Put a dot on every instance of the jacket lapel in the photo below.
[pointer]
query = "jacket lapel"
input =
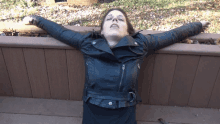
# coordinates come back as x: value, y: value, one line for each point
x: 126, y: 41
x: 127, y: 48
x: 101, y: 44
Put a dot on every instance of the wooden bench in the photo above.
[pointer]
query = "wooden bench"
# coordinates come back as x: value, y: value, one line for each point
x: 35, y: 71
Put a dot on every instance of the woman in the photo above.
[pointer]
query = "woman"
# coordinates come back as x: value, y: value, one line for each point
x: 112, y: 60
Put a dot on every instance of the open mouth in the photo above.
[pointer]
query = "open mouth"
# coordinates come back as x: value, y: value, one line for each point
x: 114, y: 26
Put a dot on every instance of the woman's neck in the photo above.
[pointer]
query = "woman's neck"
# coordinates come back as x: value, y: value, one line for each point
x: 112, y: 44
x: 112, y: 41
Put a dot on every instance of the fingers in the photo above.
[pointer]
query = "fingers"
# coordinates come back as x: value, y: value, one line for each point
x: 205, y: 25
x: 30, y: 20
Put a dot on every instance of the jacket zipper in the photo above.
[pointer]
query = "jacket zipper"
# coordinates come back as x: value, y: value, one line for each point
x: 123, y: 68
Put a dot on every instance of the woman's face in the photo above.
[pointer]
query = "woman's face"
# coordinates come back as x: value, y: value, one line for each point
x: 115, y: 25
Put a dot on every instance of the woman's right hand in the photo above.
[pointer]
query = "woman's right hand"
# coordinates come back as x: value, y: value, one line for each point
x: 31, y: 20
x: 205, y: 25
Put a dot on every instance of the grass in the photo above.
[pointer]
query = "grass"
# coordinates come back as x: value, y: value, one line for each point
x: 168, y: 14
x: 9, y: 4
x: 147, y: 14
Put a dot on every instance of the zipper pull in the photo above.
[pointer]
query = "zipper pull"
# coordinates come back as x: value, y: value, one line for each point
x: 138, y: 66
x: 123, y: 66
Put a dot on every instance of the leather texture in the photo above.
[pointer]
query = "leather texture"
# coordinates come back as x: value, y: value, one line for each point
x: 112, y: 74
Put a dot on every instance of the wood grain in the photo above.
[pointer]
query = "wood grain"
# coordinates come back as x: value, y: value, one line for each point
x: 76, y: 73
x: 57, y: 73
x: 5, y: 84
x: 17, y: 70
x: 145, y: 78
x: 214, y: 101
x: 204, y: 81
x: 37, y: 73
x: 162, y: 78
x: 183, y: 78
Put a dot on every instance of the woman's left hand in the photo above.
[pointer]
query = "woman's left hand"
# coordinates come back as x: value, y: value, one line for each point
x: 205, y: 24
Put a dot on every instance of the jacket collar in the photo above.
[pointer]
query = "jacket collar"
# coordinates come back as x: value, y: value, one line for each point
x: 126, y: 41
x: 103, y: 45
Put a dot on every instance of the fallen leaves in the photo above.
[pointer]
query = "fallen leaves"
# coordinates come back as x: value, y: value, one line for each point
x: 143, y: 14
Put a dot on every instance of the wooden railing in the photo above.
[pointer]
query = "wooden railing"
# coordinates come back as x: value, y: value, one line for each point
x: 178, y: 75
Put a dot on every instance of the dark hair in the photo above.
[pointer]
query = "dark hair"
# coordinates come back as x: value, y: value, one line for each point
x: 130, y: 27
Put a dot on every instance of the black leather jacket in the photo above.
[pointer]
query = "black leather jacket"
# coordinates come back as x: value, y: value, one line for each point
x: 111, y: 74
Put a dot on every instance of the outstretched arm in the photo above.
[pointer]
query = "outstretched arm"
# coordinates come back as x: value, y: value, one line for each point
x: 57, y: 31
x: 160, y: 40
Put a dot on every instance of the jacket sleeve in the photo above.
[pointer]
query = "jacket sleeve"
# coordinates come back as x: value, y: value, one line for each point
x: 61, y: 33
x: 160, y: 40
